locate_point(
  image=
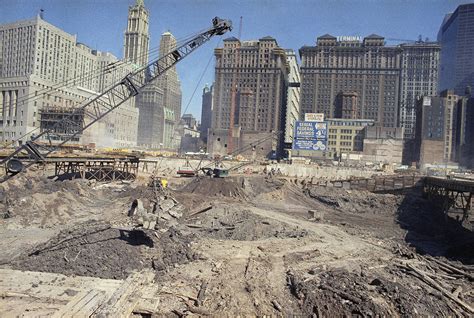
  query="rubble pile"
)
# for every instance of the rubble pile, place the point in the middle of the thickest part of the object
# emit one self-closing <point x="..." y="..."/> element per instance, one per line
<point x="363" y="294"/>
<point x="242" y="225"/>
<point x="173" y="247"/>
<point x="352" y="200"/>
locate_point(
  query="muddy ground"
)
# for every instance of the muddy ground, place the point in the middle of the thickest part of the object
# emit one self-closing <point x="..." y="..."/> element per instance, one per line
<point x="256" y="250"/>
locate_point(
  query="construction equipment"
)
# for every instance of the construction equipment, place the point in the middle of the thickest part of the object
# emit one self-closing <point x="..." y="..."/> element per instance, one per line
<point x="215" y="172"/>
<point x="93" y="110"/>
<point x="186" y="170"/>
<point x="220" y="172"/>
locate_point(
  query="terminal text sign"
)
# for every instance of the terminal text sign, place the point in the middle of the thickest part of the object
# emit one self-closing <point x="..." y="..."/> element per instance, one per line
<point x="314" y="117"/>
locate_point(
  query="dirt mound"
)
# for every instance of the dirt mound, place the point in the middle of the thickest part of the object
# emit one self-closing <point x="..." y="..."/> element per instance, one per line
<point x="224" y="187"/>
<point x="339" y="293"/>
<point x="95" y="249"/>
<point x="234" y="187"/>
<point x="353" y="200"/>
<point x="224" y="223"/>
<point x="88" y="250"/>
<point x="39" y="201"/>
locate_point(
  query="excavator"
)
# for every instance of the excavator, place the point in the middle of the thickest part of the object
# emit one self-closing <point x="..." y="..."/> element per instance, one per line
<point x="35" y="151"/>
<point x="218" y="171"/>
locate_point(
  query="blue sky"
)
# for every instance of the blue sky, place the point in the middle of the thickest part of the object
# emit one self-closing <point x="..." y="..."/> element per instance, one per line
<point x="101" y="23"/>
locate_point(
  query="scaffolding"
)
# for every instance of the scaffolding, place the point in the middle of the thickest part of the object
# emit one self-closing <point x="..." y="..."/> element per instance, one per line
<point x="62" y="122"/>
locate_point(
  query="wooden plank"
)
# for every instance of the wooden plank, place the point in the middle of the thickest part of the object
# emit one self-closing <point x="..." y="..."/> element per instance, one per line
<point x="83" y="304"/>
<point x="124" y="300"/>
<point x="66" y="295"/>
<point x="149" y="301"/>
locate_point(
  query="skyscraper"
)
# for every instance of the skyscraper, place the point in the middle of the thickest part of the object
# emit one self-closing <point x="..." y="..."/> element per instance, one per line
<point x="206" y="112"/>
<point x="456" y="36"/>
<point x="293" y="97"/>
<point x="136" y="36"/>
<point x="150" y="99"/>
<point x="436" y="126"/>
<point x="169" y="81"/>
<point x="45" y="73"/>
<point x="254" y="109"/>
<point x="348" y="65"/>
<point x="465" y="130"/>
<point x="419" y="77"/>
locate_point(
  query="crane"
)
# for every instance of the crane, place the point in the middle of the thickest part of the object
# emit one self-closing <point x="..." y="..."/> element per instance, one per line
<point x="105" y="102"/>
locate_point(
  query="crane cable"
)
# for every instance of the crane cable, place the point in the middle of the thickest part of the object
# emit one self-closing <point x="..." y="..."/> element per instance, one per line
<point x="197" y="85"/>
<point x="153" y="54"/>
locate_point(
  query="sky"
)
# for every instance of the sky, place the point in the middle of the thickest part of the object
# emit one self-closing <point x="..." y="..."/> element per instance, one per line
<point x="101" y="24"/>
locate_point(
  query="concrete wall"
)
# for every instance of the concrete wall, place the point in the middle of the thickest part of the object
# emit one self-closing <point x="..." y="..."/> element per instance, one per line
<point x="169" y="166"/>
<point x="431" y="152"/>
<point x="383" y="150"/>
<point x="243" y="143"/>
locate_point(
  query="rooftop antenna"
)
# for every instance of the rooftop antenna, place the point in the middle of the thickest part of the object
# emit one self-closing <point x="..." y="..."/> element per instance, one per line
<point x="240" y="27"/>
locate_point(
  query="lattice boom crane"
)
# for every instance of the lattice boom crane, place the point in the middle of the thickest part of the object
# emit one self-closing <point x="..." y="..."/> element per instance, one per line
<point x="107" y="101"/>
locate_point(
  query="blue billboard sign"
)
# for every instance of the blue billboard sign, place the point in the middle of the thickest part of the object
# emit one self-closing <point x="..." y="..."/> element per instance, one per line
<point x="310" y="135"/>
<point x="310" y="144"/>
<point x="310" y="130"/>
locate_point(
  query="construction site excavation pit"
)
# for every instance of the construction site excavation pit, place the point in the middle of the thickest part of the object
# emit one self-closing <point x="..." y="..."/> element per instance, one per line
<point x="254" y="245"/>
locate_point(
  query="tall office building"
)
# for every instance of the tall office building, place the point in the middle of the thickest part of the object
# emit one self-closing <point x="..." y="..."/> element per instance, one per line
<point x="151" y="119"/>
<point x="350" y="65"/>
<point x="157" y="120"/>
<point x="436" y="125"/>
<point x="293" y="97"/>
<point x="136" y="36"/>
<point x="169" y="82"/>
<point x="465" y="130"/>
<point x="456" y="36"/>
<point x="419" y="77"/>
<point x="253" y="110"/>
<point x="346" y="105"/>
<point x="45" y="73"/>
<point x="170" y="86"/>
<point x="206" y="112"/>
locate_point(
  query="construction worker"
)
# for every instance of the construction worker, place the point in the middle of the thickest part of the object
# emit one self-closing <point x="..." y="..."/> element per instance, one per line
<point x="164" y="182"/>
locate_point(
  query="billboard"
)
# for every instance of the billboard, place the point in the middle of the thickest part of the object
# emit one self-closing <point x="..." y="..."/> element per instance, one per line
<point x="310" y="135"/>
<point x="310" y="144"/>
<point x="310" y="130"/>
<point x="314" y="117"/>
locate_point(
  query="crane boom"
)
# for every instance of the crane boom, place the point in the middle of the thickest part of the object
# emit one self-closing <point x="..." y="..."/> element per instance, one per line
<point x="105" y="102"/>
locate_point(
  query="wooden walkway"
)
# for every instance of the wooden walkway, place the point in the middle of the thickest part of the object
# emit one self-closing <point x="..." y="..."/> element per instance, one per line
<point x="450" y="193"/>
<point x="35" y="294"/>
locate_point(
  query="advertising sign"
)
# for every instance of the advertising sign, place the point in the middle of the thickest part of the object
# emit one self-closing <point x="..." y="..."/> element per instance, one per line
<point x="310" y="130"/>
<point x="310" y="135"/>
<point x="304" y="144"/>
<point x="314" y="117"/>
